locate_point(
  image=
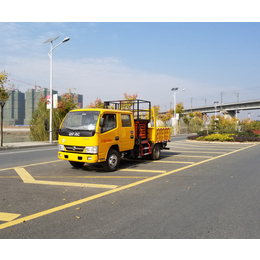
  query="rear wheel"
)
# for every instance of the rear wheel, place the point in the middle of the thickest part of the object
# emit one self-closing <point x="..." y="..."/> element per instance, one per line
<point x="156" y="153"/>
<point x="112" y="162"/>
<point x="77" y="164"/>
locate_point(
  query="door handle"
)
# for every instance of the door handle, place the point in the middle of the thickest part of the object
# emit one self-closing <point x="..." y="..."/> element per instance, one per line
<point x="117" y="138"/>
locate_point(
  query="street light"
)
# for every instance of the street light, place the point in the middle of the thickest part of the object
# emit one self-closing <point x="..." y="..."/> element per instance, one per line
<point x="50" y="55"/>
<point x="237" y="111"/>
<point x="174" y="106"/>
<point x="215" y="104"/>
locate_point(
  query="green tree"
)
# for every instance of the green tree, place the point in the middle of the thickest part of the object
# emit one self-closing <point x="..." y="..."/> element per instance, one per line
<point x="126" y="103"/>
<point x="4" y="93"/>
<point x="65" y="104"/>
<point x="165" y="117"/>
<point x="254" y="125"/>
<point x="179" y="109"/>
<point x="37" y="127"/>
<point x="156" y="111"/>
<point x="97" y="104"/>
<point x="194" y="121"/>
<point x="129" y="101"/>
<point x="224" y="124"/>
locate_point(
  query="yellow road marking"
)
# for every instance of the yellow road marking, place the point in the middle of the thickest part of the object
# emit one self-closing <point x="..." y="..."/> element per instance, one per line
<point x="34" y="164"/>
<point x="8" y="216"/>
<point x="160" y="161"/>
<point x="194" y="151"/>
<point x="203" y="148"/>
<point x="199" y="156"/>
<point x="24" y="175"/>
<point x="81" y="177"/>
<point x="137" y="170"/>
<point x="74" y="203"/>
<point x="27" y="178"/>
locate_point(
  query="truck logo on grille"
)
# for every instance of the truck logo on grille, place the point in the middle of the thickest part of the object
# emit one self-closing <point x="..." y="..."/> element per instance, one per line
<point x="74" y="148"/>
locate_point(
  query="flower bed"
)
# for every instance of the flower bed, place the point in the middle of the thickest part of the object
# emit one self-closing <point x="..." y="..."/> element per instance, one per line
<point x="239" y="137"/>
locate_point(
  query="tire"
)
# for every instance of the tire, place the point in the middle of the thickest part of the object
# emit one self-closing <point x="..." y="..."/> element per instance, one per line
<point x="112" y="162"/>
<point x="77" y="164"/>
<point x="156" y="153"/>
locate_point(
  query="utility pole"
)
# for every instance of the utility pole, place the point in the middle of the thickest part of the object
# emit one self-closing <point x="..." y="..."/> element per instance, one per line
<point x="222" y="93"/>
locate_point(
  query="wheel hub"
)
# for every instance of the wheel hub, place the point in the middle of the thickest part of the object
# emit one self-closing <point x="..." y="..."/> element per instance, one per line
<point x="112" y="160"/>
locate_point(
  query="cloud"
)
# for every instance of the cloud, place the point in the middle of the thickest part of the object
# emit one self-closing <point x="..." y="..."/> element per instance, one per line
<point x="107" y="78"/>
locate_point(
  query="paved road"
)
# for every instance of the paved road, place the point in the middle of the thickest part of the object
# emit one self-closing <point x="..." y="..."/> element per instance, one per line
<point x="196" y="190"/>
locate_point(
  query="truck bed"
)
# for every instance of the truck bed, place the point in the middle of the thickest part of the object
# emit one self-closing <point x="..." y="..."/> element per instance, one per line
<point x="159" y="134"/>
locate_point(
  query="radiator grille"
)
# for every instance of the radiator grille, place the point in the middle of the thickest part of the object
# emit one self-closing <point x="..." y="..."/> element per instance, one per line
<point x="74" y="148"/>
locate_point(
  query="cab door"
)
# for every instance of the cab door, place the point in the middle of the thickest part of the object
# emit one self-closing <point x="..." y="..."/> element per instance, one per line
<point x="109" y="135"/>
<point x="127" y="135"/>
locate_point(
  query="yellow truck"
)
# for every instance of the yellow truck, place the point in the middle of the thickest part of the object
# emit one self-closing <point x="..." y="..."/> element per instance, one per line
<point x="122" y="129"/>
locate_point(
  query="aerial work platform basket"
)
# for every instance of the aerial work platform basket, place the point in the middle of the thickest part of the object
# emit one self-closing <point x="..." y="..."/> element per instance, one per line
<point x="141" y="109"/>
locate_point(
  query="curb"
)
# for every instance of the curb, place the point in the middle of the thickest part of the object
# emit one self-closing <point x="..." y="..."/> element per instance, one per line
<point x="11" y="147"/>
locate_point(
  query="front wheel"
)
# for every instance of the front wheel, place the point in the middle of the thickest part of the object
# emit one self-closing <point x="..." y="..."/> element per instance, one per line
<point x="77" y="164"/>
<point x="156" y="153"/>
<point x="112" y="162"/>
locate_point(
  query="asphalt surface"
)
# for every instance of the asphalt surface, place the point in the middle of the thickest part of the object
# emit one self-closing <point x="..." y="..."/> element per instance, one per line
<point x="196" y="191"/>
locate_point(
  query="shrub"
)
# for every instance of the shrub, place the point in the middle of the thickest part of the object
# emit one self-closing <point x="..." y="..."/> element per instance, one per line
<point x="248" y="133"/>
<point x="217" y="137"/>
<point x="202" y="133"/>
<point x="192" y="137"/>
<point x="247" y="136"/>
<point x="244" y="138"/>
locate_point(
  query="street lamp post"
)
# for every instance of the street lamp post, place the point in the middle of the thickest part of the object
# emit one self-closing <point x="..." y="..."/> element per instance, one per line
<point x="236" y="119"/>
<point x="215" y="104"/>
<point x="2" y="103"/>
<point x="174" y="106"/>
<point x="50" y="55"/>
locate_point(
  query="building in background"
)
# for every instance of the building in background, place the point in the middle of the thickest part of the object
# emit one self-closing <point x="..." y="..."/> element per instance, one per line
<point x="14" y="109"/>
<point x="19" y="107"/>
<point x="32" y="98"/>
<point x="77" y="98"/>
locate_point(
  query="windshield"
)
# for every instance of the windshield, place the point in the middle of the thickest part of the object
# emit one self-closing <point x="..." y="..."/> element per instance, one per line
<point x="81" y="121"/>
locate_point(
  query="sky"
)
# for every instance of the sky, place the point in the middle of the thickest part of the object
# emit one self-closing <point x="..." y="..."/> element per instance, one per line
<point x="105" y="59"/>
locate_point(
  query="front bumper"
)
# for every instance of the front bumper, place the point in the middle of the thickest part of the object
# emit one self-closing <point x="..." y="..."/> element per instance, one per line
<point x="78" y="157"/>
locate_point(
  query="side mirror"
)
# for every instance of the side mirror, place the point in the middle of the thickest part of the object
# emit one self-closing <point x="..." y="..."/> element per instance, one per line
<point x="46" y="124"/>
<point x="101" y="122"/>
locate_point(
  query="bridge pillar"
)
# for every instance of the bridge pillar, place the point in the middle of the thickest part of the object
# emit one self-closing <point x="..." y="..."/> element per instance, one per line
<point x="229" y="114"/>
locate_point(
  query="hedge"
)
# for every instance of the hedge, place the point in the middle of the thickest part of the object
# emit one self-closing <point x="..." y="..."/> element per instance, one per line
<point x="239" y="137"/>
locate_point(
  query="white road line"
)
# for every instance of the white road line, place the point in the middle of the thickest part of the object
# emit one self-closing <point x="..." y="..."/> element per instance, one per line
<point x="28" y="151"/>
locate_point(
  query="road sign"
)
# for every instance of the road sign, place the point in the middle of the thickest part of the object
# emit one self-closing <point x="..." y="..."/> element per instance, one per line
<point x="48" y="101"/>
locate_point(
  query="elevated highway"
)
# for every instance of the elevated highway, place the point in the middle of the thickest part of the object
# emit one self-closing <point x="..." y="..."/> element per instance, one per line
<point x="228" y="109"/>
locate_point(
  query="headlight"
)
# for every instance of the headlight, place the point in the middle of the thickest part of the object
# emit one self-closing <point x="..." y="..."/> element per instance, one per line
<point x="91" y="149"/>
<point x="61" y="147"/>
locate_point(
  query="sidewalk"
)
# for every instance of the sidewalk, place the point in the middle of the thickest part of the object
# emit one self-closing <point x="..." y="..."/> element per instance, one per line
<point x="7" y="146"/>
